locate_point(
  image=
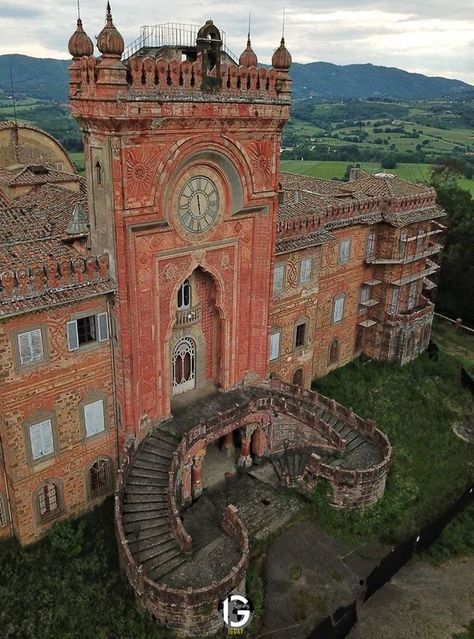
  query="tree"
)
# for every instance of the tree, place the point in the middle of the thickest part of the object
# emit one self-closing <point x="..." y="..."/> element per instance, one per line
<point x="456" y="284"/>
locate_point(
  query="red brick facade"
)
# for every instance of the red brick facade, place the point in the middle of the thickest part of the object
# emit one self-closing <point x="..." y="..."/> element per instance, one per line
<point x="152" y="126"/>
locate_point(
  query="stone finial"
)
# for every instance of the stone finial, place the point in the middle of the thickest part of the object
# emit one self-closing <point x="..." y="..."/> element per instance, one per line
<point x="248" y="57"/>
<point x="79" y="43"/>
<point x="109" y="40"/>
<point x="281" y="59"/>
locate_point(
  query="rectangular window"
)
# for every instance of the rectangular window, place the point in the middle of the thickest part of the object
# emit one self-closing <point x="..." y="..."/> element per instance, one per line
<point x="364" y="297"/>
<point x="412" y="295"/>
<point x="420" y="241"/>
<point x="306" y="267"/>
<point x="41" y="438"/>
<point x="279" y="278"/>
<point x="394" y="301"/>
<point x="85" y="330"/>
<point x="274" y="345"/>
<point x="370" y="247"/>
<point x="94" y="418"/>
<point x="402" y="244"/>
<point x="338" y="309"/>
<point x="300" y="335"/>
<point x="344" y="251"/>
<point x="30" y="347"/>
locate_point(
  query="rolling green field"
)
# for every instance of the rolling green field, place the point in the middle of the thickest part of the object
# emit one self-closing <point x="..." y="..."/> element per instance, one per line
<point x="330" y="170"/>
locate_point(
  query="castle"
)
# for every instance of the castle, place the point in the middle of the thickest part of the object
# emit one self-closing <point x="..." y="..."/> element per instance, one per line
<point x="184" y="295"/>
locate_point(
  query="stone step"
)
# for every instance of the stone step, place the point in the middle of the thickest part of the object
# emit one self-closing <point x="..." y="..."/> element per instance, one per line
<point x="155" y="550"/>
<point x="130" y="518"/>
<point x="144" y="481"/>
<point x="351" y="436"/>
<point x="164" y="436"/>
<point x="167" y="566"/>
<point x="138" y="527"/>
<point x="160" y="475"/>
<point x="163" y="530"/>
<point x="146" y="498"/>
<point x="162" y="444"/>
<point x="163" y="463"/>
<point x="332" y="421"/>
<point x="358" y="441"/>
<point x="345" y="431"/>
<point x="151" y="464"/>
<point x="154" y="446"/>
<point x="147" y="488"/>
<point x="143" y="507"/>
<point x="339" y="425"/>
<point x="157" y="563"/>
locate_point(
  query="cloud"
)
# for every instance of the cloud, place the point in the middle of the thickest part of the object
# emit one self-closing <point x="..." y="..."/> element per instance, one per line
<point x="433" y="37"/>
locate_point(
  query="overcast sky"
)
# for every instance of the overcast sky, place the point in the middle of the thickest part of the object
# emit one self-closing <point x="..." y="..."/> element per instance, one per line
<point x="435" y="37"/>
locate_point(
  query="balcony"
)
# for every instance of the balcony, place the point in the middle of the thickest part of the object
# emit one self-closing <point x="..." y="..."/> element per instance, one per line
<point x="424" y="309"/>
<point x="188" y="316"/>
<point x="402" y="258"/>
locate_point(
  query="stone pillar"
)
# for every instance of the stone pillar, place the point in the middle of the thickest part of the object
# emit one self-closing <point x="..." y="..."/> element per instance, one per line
<point x="196" y="479"/>
<point x="186" y="493"/>
<point x="228" y="445"/>
<point x="245" y="458"/>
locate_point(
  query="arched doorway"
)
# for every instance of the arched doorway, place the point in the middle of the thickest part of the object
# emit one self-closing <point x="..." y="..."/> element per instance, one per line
<point x="184" y="365"/>
<point x="298" y="377"/>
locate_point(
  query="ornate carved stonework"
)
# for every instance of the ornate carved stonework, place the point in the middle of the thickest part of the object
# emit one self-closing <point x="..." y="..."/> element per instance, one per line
<point x="140" y="170"/>
<point x="260" y="153"/>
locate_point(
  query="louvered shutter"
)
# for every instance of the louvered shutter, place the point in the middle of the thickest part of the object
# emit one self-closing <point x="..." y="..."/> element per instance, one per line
<point x="72" y="336"/>
<point x="274" y="345"/>
<point x="103" y="326"/>
<point x="338" y="309"/>
<point x="344" y="250"/>
<point x="36" y="345"/>
<point x="278" y="277"/>
<point x="41" y="438"/>
<point x="305" y="271"/>
<point x="94" y="417"/>
<point x="30" y="346"/>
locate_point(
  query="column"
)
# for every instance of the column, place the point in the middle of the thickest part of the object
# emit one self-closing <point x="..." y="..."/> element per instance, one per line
<point x="228" y="445"/>
<point x="196" y="478"/>
<point x="245" y="458"/>
<point x="186" y="494"/>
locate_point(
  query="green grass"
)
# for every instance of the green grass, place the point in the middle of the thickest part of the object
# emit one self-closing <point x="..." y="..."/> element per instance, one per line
<point x="456" y="540"/>
<point x="69" y="586"/>
<point x="416" y="406"/>
<point x="329" y="170"/>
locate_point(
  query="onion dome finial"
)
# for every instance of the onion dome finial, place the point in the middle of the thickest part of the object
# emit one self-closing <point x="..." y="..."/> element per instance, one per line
<point x="248" y="57"/>
<point x="109" y="40"/>
<point x="281" y="59"/>
<point x="79" y="43"/>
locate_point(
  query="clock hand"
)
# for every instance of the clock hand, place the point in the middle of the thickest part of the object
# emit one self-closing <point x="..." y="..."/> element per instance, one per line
<point x="199" y="205"/>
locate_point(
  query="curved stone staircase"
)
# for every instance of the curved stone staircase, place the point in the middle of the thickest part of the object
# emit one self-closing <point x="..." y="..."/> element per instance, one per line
<point x="146" y="521"/>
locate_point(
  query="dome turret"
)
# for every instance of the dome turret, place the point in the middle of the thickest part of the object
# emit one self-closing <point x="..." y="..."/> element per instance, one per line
<point x="248" y="57"/>
<point x="281" y="59"/>
<point x="79" y="43"/>
<point x="109" y="40"/>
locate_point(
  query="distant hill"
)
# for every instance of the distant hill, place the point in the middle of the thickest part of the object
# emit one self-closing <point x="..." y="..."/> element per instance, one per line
<point x="327" y="81"/>
<point x="47" y="79"/>
<point x="40" y="78"/>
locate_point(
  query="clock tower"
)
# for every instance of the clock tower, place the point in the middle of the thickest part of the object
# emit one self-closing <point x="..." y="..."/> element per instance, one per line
<point x="182" y="149"/>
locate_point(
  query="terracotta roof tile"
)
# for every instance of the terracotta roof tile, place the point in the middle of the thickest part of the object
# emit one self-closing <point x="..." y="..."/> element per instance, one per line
<point x="34" y="174"/>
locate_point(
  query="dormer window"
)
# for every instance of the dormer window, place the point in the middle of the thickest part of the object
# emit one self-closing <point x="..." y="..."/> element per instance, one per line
<point x="184" y="296"/>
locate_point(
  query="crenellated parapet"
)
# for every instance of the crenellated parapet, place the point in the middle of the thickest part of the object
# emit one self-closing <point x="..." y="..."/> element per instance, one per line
<point x="33" y="281"/>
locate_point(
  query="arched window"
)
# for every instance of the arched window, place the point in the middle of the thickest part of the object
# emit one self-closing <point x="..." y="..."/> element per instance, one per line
<point x="298" y="377"/>
<point x="3" y="513"/>
<point x="184" y="296"/>
<point x="184" y="366"/>
<point x="333" y="355"/>
<point x="48" y="501"/>
<point x="98" y="173"/>
<point x="100" y="477"/>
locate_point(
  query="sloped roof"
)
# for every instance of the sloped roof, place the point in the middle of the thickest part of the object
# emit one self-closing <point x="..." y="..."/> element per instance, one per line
<point x="17" y="175"/>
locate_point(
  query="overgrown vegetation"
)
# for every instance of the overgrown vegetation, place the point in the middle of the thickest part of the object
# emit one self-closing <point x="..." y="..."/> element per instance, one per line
<point x="456" y="540"/>
<point x="468" y="633"/>
<point x="68" y="586"/>
<point x="416" y="406"/>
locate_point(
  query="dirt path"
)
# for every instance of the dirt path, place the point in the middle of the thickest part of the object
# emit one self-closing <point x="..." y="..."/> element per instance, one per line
<point x="420" y="602"/>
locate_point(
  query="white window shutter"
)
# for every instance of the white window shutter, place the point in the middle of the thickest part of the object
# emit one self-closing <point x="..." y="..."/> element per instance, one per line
<point x="36" y="345"/>
<point x="278" y="279"/>
<point x="305" y="270"/>
<point x="395" y="294"/>
<point x="72" y="336"/>
<point x="24" y="348"/>
<point x="103" y="326"/>
<point x="94" y="418"/>
<point x="338" y="312"/>
<point x="344" y="249"/>
<point x="274" y="345"/>
<point x="41" y="438"/>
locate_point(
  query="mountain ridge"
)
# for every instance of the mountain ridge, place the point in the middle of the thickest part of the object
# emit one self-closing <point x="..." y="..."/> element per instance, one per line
<point x="47" y="79"/>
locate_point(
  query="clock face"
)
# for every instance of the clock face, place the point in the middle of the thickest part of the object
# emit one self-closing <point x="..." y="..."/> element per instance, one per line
<point x="198" y="204"/>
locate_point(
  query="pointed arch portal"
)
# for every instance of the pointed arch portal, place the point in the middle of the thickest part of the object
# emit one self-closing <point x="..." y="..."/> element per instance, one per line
<point x="184" y="365"/>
